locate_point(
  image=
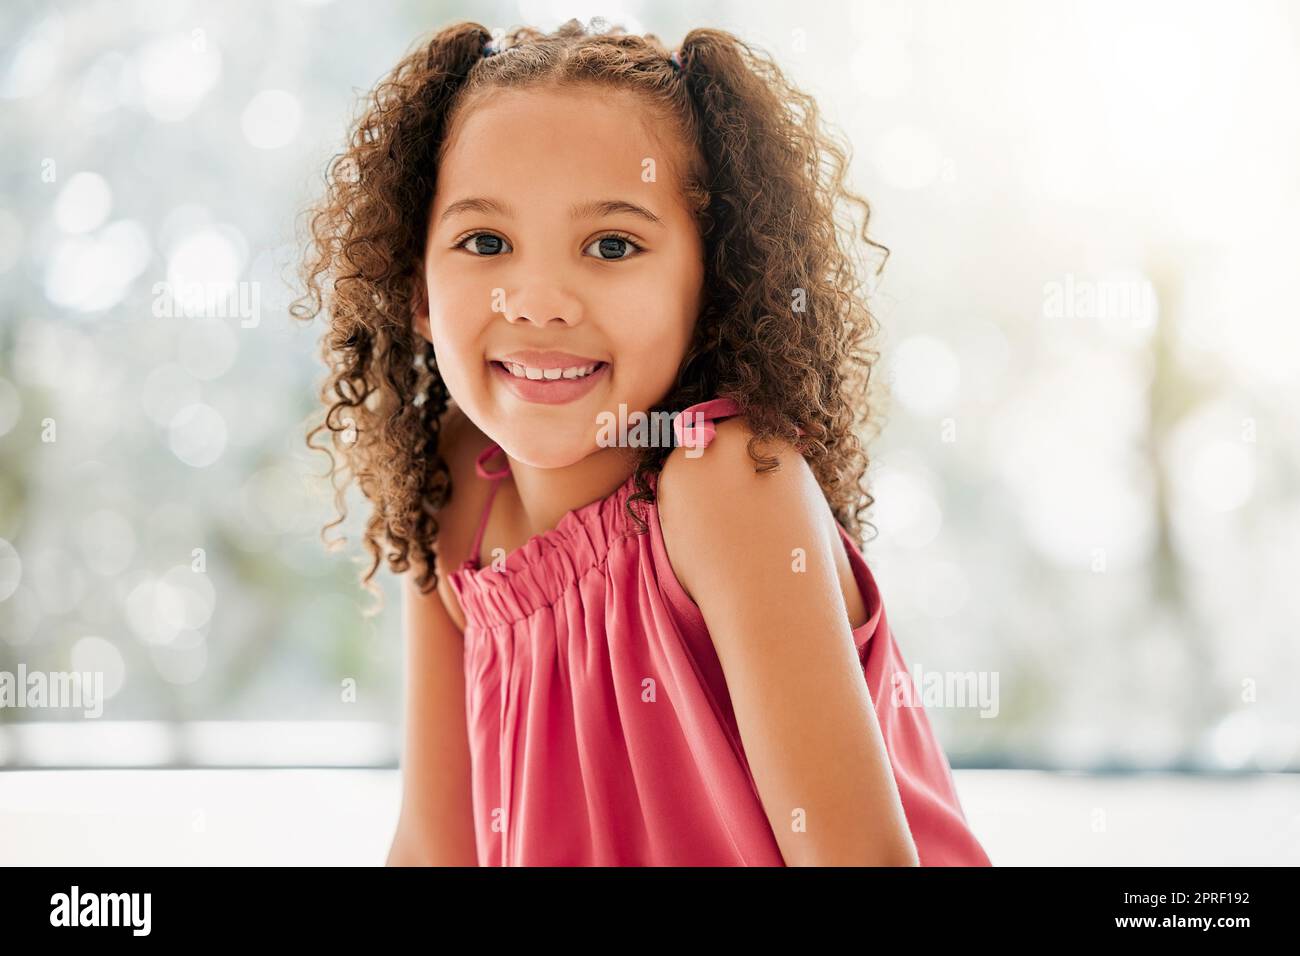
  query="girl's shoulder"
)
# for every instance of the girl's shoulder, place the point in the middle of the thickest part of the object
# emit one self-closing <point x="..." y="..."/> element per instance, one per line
<point x="712" y="505"/>
<point x="459" y="443"/>
<point x="696" y="486"/>
<point x="726" y="456"/>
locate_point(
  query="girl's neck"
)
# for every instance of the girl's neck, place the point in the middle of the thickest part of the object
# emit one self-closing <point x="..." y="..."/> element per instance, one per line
<point x="540" y="497"/>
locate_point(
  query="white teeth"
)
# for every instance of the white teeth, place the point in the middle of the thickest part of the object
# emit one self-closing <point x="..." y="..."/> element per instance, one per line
<point x="550" y="374"/>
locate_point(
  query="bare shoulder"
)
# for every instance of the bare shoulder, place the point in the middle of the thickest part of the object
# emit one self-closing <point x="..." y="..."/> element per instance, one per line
<point x="717" y="512"/>
<point x="459" y="443"/>
<point x="727" y="458"/>
<point x="709" y="500"/>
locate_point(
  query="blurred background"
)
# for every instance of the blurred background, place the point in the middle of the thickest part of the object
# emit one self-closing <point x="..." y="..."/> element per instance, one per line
<point x="1087" y="481"/>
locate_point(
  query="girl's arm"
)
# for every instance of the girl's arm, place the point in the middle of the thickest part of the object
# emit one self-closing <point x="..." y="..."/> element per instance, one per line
<point x="783" y="638"/>
<point x="436" y="824"/>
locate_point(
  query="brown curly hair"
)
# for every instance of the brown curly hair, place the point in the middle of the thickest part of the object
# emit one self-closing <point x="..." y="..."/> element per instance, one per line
<point x="784" y="328"/>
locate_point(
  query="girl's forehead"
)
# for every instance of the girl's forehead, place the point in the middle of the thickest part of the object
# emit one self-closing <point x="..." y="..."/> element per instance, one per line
<point x="578" y="123"/>
<point x="551" y="144"/>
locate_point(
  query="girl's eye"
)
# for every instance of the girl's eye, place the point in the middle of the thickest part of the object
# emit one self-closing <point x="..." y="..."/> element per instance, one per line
<point x="608" y="247"/>
<point x="484" y="244"/>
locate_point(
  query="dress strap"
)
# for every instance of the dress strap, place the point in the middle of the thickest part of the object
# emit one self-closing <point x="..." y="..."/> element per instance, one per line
<point x="694" y="425"/>
<point x="495" y="477"/>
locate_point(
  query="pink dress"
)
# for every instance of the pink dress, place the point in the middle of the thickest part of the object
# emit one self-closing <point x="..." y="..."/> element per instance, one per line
<point x="571" y="767"/>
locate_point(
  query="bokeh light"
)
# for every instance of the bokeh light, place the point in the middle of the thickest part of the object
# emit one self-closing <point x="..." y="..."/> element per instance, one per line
<point x="1100" y="500"/>
<point x="176" y="72"/>
<point x="83" y="204"/>
<point x="271" y="119"/>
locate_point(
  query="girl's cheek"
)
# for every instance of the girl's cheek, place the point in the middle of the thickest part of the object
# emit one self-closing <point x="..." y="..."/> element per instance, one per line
<point x="652" y="337"/>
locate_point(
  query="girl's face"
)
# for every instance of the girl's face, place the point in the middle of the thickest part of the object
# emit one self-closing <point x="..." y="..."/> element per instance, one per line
<point x="558" y="224"/>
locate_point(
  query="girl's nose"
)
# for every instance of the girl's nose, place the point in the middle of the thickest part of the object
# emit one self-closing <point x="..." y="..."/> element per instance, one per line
<point x="542" y="309"/>
<point x="515" y="319"/>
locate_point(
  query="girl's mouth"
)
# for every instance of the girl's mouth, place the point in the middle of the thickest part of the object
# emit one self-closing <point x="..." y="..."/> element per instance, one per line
<point x="550" y="391"/>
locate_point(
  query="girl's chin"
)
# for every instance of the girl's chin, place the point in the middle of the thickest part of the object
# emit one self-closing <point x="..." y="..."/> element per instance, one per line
<point x="549" y="459"/>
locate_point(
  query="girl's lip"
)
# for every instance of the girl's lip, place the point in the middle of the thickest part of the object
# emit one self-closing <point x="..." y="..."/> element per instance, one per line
<point x="546" y="359"/>
<point x="557" y="391"/>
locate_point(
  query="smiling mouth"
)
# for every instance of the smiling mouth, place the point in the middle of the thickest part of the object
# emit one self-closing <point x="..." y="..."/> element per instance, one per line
<point x="543" y="376"/>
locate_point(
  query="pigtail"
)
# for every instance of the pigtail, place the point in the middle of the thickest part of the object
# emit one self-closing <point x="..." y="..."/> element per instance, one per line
<point x="384" y="397"/>
<point x="786" y="331"/>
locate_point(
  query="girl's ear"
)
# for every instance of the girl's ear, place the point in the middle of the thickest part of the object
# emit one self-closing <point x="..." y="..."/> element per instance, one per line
<point x="420" y="308"/>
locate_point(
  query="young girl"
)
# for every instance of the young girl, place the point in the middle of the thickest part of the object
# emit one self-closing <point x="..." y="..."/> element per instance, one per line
<point x="625" y="645"/>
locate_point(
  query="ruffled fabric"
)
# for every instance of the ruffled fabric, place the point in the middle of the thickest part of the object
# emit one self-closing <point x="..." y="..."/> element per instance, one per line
<point x="600" y="728"/>
<point x="540" y="571"/>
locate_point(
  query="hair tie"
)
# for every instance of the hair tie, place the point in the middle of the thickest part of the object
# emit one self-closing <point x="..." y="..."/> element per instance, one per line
<point x="676" y="61"/>
<point x="490" y="48"/>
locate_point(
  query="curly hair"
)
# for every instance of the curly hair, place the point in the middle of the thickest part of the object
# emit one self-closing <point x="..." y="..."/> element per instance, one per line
<point x="783" y="328"/>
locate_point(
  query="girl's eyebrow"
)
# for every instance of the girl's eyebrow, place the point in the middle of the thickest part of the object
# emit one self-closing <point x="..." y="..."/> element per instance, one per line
<point x="596" y="208"/>
<point x="591" y="209"/>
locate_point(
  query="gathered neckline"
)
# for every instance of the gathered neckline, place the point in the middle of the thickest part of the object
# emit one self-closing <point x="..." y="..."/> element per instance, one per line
<point x="540" y="570"/>
<point x="571" y="519"/>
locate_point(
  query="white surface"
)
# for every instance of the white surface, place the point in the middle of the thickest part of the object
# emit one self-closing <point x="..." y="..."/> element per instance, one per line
<point x="346" y="817"/>
<point x="248" y="743"/>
